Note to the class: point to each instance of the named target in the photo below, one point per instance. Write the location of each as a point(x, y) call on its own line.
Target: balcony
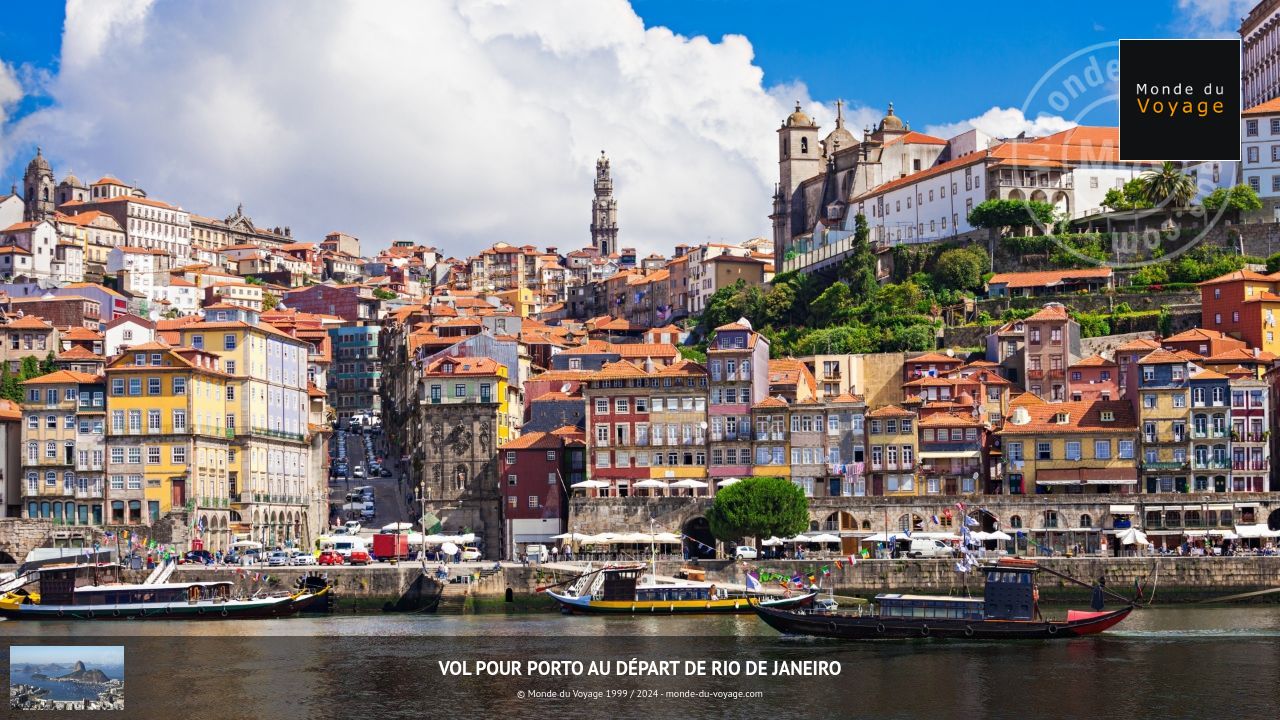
point(1251, 465)
point(1216, 464)
point(1035, 374)
point(1163, 465)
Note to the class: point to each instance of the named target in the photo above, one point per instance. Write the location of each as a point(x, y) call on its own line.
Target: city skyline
point(273, 136)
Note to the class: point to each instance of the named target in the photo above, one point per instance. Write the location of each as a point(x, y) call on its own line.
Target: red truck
point(390, 545)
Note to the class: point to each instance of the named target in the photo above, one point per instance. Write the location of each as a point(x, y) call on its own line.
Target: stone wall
point(1093, 302)
point(592, 516)
point(19, 536)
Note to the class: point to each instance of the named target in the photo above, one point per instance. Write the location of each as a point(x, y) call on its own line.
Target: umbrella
point(772, 542)
point(1132, 536)
point(449, 548)
point(798, 539)
point(246, 544)
point(650, 484)
point(666, 538)
point(590, 484)
point(397, 527)
point(980, 536)
point(688, 483)
point(728, 481)
point(415, 538)
point(825, 538)
point(998, 535)
point(635, 537)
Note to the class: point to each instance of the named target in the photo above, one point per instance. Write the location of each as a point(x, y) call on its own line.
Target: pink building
point(1093, 378)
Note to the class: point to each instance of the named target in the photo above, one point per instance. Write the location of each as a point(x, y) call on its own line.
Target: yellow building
point(1079, 447)
point(167, 444)
point(523, 301)
point(676, 431)
point(892, 450)
point(56, 486)
point(274, 500)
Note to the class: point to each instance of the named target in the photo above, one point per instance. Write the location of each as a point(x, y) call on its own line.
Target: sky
point(89, 654)
point(460, 123)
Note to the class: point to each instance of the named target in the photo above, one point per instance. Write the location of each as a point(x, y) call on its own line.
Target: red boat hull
point(873, 627)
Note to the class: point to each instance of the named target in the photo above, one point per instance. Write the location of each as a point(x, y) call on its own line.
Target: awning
point(1195, 533)
point(1089, 476)
point(1220, 507)
point(1113, 481)
point(1057, 482)
point(1124, 508)
point(1247, 505)
point(931, 454)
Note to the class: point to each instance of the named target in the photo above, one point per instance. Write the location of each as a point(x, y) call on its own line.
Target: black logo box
point(1187, 68)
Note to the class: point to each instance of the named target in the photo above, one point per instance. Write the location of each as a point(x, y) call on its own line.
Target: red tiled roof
point(63, 377)
point(1082, 417)
point(1046, 278)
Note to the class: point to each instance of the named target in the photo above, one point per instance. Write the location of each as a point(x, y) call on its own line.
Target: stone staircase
point(455, 598)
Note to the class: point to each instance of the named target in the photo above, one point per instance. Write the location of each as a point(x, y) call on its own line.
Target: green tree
point(999, 215)
point(759, 507)
point(833, 307)
point(859, 269)
point(914, 337)
point(9, 387)
point(694, 353)
point(1273, 263)
point(381, 294)
point(1131, 197)
point(1167, 186)
point(30, 368)
point(839, 340)
point(1236, 200)
point(1150, 275)
point(270, 301)
point(958, 269)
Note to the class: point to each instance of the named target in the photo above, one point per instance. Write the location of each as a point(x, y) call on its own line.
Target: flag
point(960, 506)
point(852, 558)
point(812, 578)
point(961, 568)
point(969, 521)
point(838, 565)
point(753, 582)
point(797, 580)
point(825, 571)
point(935, 520)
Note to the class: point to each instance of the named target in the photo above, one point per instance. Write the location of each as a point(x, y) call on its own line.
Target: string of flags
point(756, 577)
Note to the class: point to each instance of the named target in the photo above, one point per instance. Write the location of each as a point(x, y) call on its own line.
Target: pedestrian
point(553, 553)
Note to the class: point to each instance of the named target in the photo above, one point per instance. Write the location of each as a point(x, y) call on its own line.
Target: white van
point(344, 545)
point(924, 547)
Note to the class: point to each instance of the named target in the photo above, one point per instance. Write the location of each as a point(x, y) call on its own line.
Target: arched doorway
point(698, 540)
point(6, 559)
point(1273, 520)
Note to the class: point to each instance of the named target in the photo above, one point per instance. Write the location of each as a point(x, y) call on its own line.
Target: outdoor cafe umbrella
point(666, 538)
point(689, 483)
point(798, 539)
point(449, 548)
point(651, 485)
point(998, 535)
point(590, 484)
point(772, 542)
point(825, 538)
point(1132, 536)
point(728, 481)
point(397, 527)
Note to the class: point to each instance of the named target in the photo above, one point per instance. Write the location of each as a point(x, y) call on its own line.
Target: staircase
point(453, 599)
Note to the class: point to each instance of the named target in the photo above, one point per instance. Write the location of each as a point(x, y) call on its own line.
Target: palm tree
point(1168, 187)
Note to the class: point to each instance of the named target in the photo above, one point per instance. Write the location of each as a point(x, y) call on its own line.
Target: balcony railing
point(1261, 465)
point(1212, 465)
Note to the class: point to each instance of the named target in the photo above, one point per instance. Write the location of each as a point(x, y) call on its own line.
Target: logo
point(1133, 211)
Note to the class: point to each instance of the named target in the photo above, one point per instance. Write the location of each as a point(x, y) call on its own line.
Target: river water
point(1175, 662)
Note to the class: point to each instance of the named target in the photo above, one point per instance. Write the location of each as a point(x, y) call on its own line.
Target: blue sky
point(89, 654)
point(292, 138)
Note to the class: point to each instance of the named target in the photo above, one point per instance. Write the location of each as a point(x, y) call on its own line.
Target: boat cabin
point(1010, 592)
point(57, 584)
point(166, 593)
point(929, 607)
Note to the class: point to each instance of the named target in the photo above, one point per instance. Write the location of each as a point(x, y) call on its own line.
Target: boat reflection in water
point(1008, 610)
point(627, 589)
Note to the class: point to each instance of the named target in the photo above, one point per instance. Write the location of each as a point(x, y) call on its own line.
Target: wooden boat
point(627, 590)
point(94, 592)
point(1008, 610)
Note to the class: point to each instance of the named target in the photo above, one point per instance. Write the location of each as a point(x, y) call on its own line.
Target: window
point(229, 342)
point(642, 405)
point(1251, 128)
point(1254, 184)
point(153, 455)
point(621, 406)
point(179, 454)
point(135, 455)
point(153, 386)
point(1044, 451)
point(135, 386)
point(135, 421)
point(230, 366)
point(602, 458)
point(117, 386)
point(602, 406)
point(179, 386)
point(1102, 449)
point(459, 390)
point(1251, 155)
point(153, 421)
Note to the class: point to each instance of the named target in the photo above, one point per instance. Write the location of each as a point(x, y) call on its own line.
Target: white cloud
point(453, 123)
point(10, 94)
point(1212, 18)
point(1004, 123)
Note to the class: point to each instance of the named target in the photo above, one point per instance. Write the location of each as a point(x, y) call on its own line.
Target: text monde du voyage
point(1180, 99)
point(636, 667)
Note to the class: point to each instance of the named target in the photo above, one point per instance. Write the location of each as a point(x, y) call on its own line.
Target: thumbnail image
point(66, 677)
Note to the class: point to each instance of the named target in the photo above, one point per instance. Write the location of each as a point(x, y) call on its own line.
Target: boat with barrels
point(1008, 610)
point(628, 589)
point(94, 591)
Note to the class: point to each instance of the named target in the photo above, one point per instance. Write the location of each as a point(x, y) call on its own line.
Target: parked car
point(470, 553)
point(359, 557)
point(197, 556)
point(385, 472)
point(924, 547)
point(304, 559)
point(353, 527)
point(536, 553)
point(278, 558)
point(357, 472)
point(745, 552)
point(329, 557)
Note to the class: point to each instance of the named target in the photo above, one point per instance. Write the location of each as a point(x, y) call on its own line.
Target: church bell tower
point(38, 186)
point(604, 211)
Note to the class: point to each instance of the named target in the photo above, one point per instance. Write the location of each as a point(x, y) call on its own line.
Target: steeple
point(38, 182)
point(604, 210)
